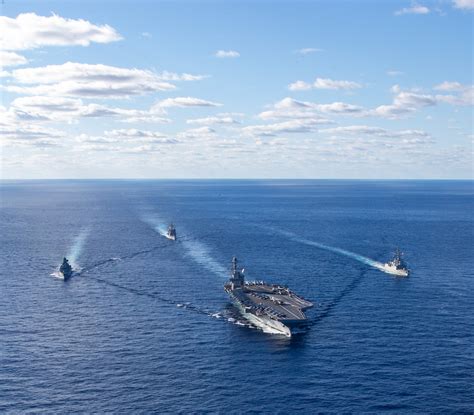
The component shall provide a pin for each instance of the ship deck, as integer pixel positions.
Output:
(274, 300)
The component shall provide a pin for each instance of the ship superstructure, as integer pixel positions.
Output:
(271, 307)
(65, 269)
(396, 265)
(171, 232)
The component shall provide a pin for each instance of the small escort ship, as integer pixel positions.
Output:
(396, 265)
(273, 308)
(65, 269)
(171, 232)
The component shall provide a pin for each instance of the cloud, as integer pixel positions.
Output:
(307, 51)
(415, 9)
(50, 108)
(220, 119)
(29, 31)
(183, 102)
(11, 59)
(171, 76)
(323, 83)
(87, 81)
(449, 86)
(464, 94)
(286, 127)
(198, 133)
(464, 4)
(291, 108)
(140, 135)
(227, 54)
(407, 102)
(394, 73)
(30, 135)
(124, 140)
(404, 102)
(376, 131)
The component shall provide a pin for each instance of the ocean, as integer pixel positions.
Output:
(145, 325)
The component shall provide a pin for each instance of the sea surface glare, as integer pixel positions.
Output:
(145, 325)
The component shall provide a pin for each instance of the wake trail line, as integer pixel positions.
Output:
(78, 246)
(155, 296)
(194, 248)
(362, 259)
(328, 308)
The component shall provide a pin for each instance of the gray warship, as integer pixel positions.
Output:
(273, 308)
(396, 265)
(171, 232)
(65, 269)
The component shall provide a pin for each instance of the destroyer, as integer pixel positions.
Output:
(273, 308)
(396, 265)
(171, 232)
(65, 269)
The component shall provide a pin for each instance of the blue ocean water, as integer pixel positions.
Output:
(146, 326)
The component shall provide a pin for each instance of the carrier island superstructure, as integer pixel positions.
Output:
(273, 308)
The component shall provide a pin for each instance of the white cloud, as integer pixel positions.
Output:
(227, 54)
(29, 31)
(124, 140)
(300, 86)
(220, 119)
(143, 136)
(171, 76)
(376, 131)
(464, 93)
(307, 51)
(11, 59)
(303, 125)
(205, 133)
(291, 108)
(404, 102)
(394, 73)
(85, 80)
(415, 9)
(449, 86)
(29, 135)
(50, 108)
(183, 102)
(464, 4)
(323, 83)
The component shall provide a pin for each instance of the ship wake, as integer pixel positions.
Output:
(200, 253)
(360, 258)
(156, 223)
(77, 247)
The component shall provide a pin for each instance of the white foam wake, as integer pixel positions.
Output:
(200, 253)
(156, 223)
(77, 247)
(340, 251)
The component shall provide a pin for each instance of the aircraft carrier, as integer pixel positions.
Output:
(273, 308)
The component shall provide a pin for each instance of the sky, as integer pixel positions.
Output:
(236, 89)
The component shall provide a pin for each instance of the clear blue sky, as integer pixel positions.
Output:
(313, 89)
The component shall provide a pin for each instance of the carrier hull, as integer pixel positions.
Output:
(272, 308)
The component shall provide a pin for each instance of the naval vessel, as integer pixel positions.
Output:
(65, 269)
(396, 265)
(171, 232)
(271, 307)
